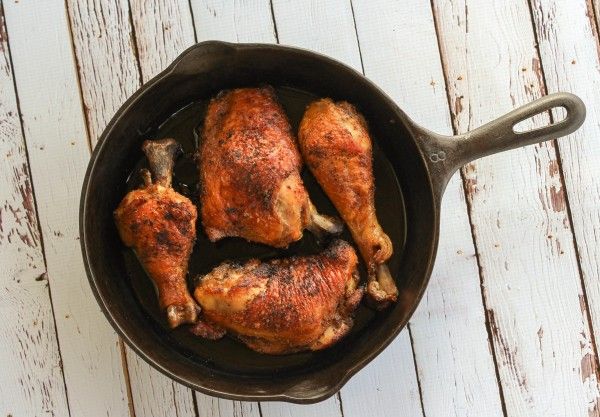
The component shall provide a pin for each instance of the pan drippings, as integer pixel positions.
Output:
(184, 127)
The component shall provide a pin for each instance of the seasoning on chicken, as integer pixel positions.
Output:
(160, 225)
(336, 146)
(249, 169)
(283, 305)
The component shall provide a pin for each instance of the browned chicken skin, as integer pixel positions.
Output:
(336, 146)
(160, 225)
(250, 172)
(284, 305)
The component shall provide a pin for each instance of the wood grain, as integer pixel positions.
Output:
(55, 135)
(536, 304)
(33, 381)
(233, 21)
(104, 48)
(386, 385)
(328, 408)
(162, 31)
(523, 237)
(155, 394)
(311, 24)
(216, 407)
(569, 50)
(595, 9)
(450, 341)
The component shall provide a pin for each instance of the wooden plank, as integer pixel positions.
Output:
(523, 237)
(329, 408)
(103, 34)
(154, 394)
(310, 25)
(569, 51)
(33, 381)
(162, 31)
(216, 407)
(233, 21)
(387, 385)
(56, 140)
(326, 27)
(450, 340)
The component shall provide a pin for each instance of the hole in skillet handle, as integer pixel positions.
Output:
(444, 155)
(500, 135)
(559, 114)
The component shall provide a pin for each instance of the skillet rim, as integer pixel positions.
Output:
(302, 396)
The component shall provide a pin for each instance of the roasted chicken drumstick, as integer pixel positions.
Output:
(336, 146)
(284, 305)
(250, 172)
(160, 225)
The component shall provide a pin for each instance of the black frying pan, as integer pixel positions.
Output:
(412, 166)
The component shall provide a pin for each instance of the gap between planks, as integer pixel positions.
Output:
(47, 41)
(569, 48)
(30, 211)
(561, 173)
(585, 315)
(463, 178)
(78, 67)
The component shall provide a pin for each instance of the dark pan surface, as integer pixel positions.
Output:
(172, 105)
(227, 354)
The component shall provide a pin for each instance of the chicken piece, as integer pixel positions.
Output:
(160, 225)
(283, 305)
(336, 146)
(250, 172)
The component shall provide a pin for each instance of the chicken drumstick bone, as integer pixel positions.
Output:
(336, 146)
(160, 225)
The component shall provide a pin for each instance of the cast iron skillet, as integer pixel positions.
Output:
(412, 166)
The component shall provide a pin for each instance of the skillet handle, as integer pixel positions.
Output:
(445, 155)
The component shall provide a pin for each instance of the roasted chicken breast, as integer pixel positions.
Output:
(249, 169)
(283, 305)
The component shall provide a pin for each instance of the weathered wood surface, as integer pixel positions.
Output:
(233, 21)
(162, 31)
(57, 145)
(29, 356)
(450, 342)
(569, 52)
(451, 65)
(531, 282)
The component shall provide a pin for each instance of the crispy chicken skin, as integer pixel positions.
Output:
(283, 305)
(336, 146)
(160, 225)
(249, 169)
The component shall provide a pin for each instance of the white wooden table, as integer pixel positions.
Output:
(509, 324)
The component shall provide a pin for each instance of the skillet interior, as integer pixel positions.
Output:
(127, 296)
